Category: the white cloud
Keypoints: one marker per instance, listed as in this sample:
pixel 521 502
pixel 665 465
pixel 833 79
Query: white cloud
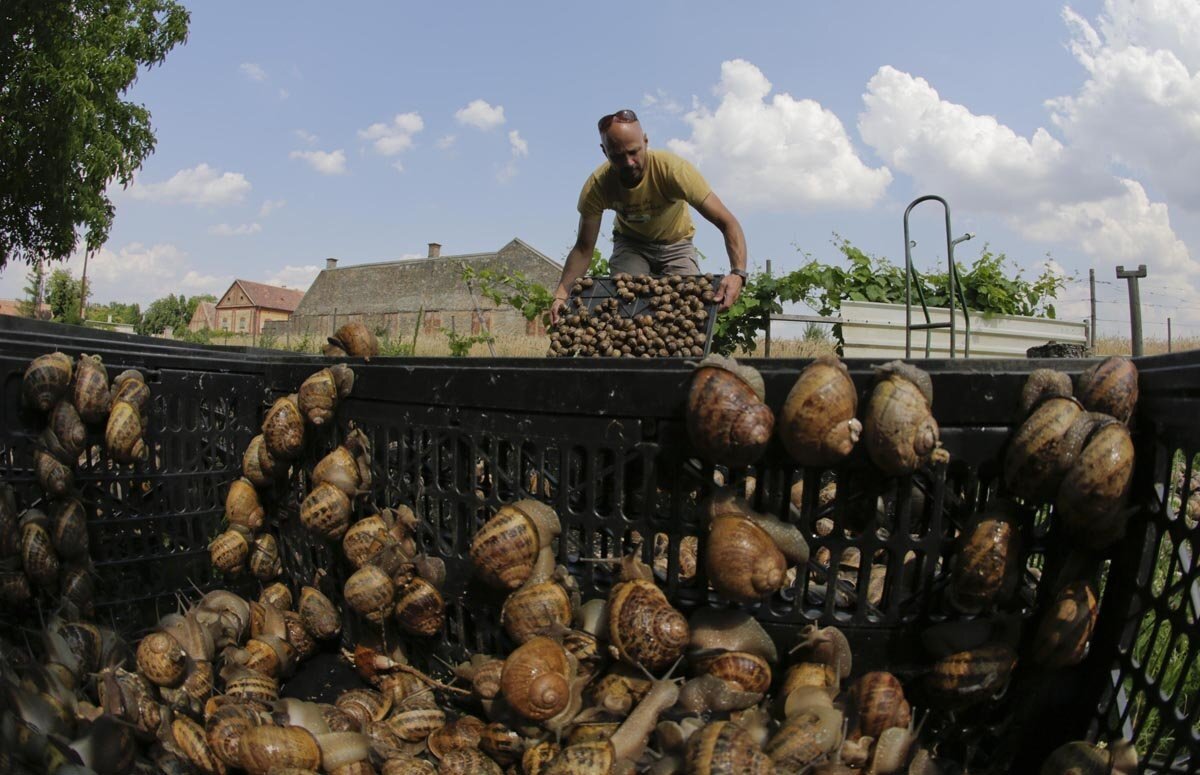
pixel 271 205
pixel 324 162
pixel 306 137
pixel 242 230
pixel 446 142
pixel 480 115
pixel 392 138
pixel 298 277
pixel 660 100
pixel 284 94
pixel 398 166
pixel 253 71
pixel 199 185
pixel 518 144
pixel 779 153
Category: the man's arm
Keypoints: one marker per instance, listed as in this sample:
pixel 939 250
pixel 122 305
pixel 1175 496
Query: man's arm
pixel 716 213
pixel 578 261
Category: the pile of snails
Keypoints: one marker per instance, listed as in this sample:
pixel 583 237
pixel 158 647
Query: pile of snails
pixel 352 340
pixel 645 317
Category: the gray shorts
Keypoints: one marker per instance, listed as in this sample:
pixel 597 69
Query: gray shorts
pixel 637 257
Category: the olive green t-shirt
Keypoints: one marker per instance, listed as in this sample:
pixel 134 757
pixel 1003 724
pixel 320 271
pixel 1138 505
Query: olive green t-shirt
pixel 656 209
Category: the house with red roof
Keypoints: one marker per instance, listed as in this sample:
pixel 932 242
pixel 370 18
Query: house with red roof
pixel 246 306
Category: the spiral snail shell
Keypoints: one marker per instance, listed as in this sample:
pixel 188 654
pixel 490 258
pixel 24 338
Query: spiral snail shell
pixel 987 565
pixel 283 429
pixel 536 681
pixel 727 420
pixel 92 398
pixel 242 506
pixel 326 511
pixel 420 608
pixel 1110 387
pixel 130 386
pixel 724 748
pixel 644 629
pixel 68 430
pixel 46 380
pixel 161 659
pixel 123 434
pixel 879 703
pixel 70 529
pixel 264 748
pixel 968 677
pixel 229 551
pixel 320 616
pixel 38 557
pixel 348 466
pixel 1041 385
pixel 1042 449
pixel 1091 498
pixel 506 548
pixel 1083 758
pixel 369 591
pixel 264 561
pixel 900 432
pixel 817 424
pixel 536 608
pixel 356 340
pixel 1066 626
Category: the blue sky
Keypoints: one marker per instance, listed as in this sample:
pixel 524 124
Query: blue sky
pixel 288 133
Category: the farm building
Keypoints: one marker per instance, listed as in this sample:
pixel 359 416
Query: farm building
pixel 392 295
pixel 247 306
pixel 205 316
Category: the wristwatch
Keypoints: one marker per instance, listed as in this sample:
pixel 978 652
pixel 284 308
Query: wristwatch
pixel 740 273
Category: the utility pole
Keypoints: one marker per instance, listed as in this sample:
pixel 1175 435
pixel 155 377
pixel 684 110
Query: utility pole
pixel 1168 335
pixel 1092 329
pixel 767 342
pixel 1135 304
pixel 83 288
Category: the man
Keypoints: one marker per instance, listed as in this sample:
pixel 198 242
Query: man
pixel 650 190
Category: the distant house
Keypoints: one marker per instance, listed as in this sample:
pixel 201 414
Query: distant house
pixel 393 295
pixel 205 316
pixel 13 307
pixel 247 305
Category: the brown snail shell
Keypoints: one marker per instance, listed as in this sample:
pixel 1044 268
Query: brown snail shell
pixel 968 677
pixel 1110 387
pixel 326 511
pixel 817 424
pixel 468 761
pixel 38 557
pixel 405 764
pixel 826 646
pixel 506 547
pixel 643 627
pixel 786 536
pixel 463 732
pixel 283 429
pixel 189 737
pixel 46 380
pixel 271 467
pixel 123 434
pixel 70 529
pixel 800 678
pixel 420 608
pixel 264 748
pixel 161 659
pixel 130 386
pixel 363 706
pixel 229 552
pixel 879 703
pixel 1041 451
pixel 1083 758
pixel 504 745
pixel 536 609
pixel 723 748
pixel 365 539
pixel 727 420
pixel 91 398
pixel 1066 626
pixel 1042 384
pixel 265 562
pixel 987 565
pixel 277 595
pixel 68 429
pixel 75 587
pixel 805 737
pixel 317 397
pixel 296 634
pixel 356 340
pixel 900 432
pixel 14 588
pixel 242 506
pixel 224 730
pixel 536 681
pixel 369 591
pixel 249 685
pixel 715 630
pixel 320 616
pixel 748 672
pixel 416 725
pixel 251 468
pixel 584 758
pixel 348 466
pixel 54 477
pixel 742 561
pixel 1091 498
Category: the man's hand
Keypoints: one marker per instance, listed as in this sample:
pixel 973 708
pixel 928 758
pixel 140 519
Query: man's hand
pixel 729 290
pixel 556 308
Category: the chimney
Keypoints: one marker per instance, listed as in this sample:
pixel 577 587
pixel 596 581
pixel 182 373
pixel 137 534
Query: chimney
pixel 331 263
pixel 435 249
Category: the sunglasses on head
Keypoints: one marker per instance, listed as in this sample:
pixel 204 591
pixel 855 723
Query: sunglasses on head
pixel 621 117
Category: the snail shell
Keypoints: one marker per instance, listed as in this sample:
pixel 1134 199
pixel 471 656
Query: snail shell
pixel 320 616
pixel 900 432
pixel 363 706
pixel 326 511
pixel 1042 450
pixel 46 380
pixel 506 547
pixel 583 759
pixel 746 672
pixel 879 702
pixel 242 506
pixel 283 429
pixel 356 340
pixel 55 478
pixel 229 551
pixel 968 677
pixel 742 561
pixel 369 591
pixel 987 566
pixel 190 739
pixel 1082 758
pixel 92 398
pixel 161 659
pixel 250 686
pixel 70 529
pixel 420 608
pixel 271 467
pixel 365 539
pixel 723 748
pixel 414 726
pixel 727 420
pixel 643 627
pixel 538 757
pixel 123 434
pixel 1042 384
pixel 463 732
pixel 589 731
pixel 348 466
pixel 14 588
pixel 296 634
pixel 817 424
pixel 468 761
pixel 1066 626
pixel 68 429
pixel 1091 498
pixel 826 646
pixel 336 719
pixel 799 682
pixel 805 737
pixel 224 730
pixel 75 586
pixel 536 609
pixel 317 397
pixel 1111 387
pixel 405 764
pixel 504 745
pixel 130 386
pixel 264 748
pixel 277 595
pixel 37 550
pixel 251 467
pixel 536 681
pixel 265 562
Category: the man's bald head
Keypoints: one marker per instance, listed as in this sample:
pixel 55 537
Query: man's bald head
pixel 624 145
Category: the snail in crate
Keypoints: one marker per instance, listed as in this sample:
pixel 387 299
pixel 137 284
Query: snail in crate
pixel 747 554
pixel 727 419
pixel 899 431
pixel 353 339
pixel 320 393
pixel 817 424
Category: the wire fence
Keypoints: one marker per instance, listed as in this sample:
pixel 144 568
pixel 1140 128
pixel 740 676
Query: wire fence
pixel 1170 316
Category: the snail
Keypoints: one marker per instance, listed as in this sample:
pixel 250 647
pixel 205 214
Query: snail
pixel 363 706
pixel 505 549
pixel 747 553
pixel 130 386
pixel 825 646
pixel 811 733
pixel 68 430
pixel 46 380
pixel 644 629
pixel 537 679
pixel 252 468
pixel 69 529
pixel 355 340
pixel 468 761
pixel 319 393
pixel 1110 387
pixel 420 608
pixel 224 729
pixel 969 677
pixel 264 561
pixel 727 419
pixel 1042 384
pixel 347 467
pixel 190 738
pixel 283 429
pixel 1043 448
pixel 242 506
pixel 1091 498
pixel 505 746
pixel 463 732
pixel 277 595
pixel 817 424
pixel 326 511
pixel 879 704
pixel 987 564
pixel 296 634
pixel 55 478
pixel 723 748
pixel 715 630
pixel 544 604
pixel 730 680
pixel 123 434
pixel 249 685
pixel 1083 758
pixel 38 557
pixel 1066 626
pixel 230 550
pixel 161 659
pixel 320 616
pixel 266 747
pixel 369 591
pixel 899 432
pixel 91 397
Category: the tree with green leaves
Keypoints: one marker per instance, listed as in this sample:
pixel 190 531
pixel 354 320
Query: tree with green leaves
pixel 62 294
pixel 119 312
pixel 165 314
pixel 66 132
pixel 514 289
pixel 33 295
